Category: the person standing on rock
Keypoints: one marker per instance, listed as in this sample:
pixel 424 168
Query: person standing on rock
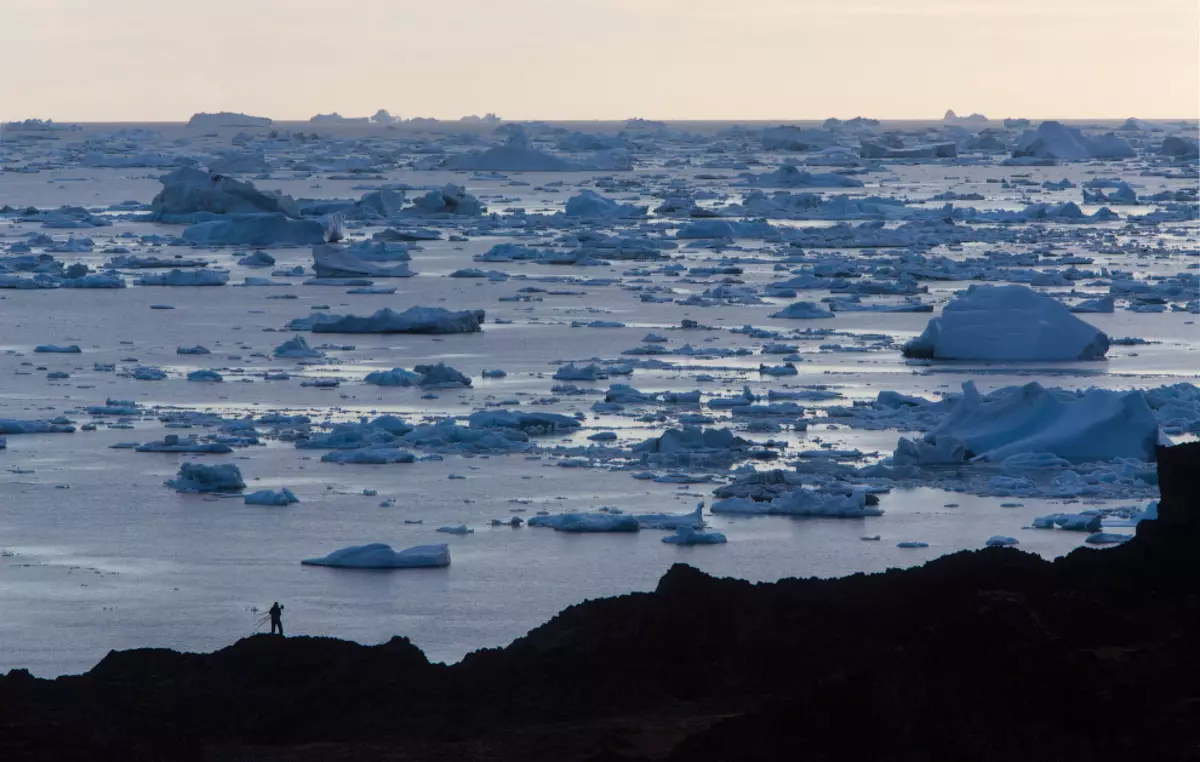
pixel 276 614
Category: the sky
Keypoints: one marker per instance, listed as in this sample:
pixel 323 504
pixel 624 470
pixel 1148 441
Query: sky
pixel 162 60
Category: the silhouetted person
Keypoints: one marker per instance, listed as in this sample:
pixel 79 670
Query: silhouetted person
pixel 276 613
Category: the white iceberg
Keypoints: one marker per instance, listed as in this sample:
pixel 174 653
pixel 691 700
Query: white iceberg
pixel 192 195
pixel 1054 140
pixel 1094 425
pixel 1008 324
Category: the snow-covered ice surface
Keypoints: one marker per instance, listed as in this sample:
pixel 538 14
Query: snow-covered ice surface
pixel 665 334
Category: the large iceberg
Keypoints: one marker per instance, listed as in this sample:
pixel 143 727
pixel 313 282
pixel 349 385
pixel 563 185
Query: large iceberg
pixel 192 195
pixel 1094 425
pixel 1008 324
pixel 1054 140
pixel 381 556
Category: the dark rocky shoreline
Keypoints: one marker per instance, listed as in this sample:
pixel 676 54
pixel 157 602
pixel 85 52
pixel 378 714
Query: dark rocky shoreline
pixel 984 655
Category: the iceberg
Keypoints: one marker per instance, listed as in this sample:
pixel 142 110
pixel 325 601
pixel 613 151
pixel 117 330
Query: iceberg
pixel 802 311
pixel 335 262
pixel 590 204
pixel 530 423
pixel 172 443
pixel 803 502
pixel 13 426
pixel 196 477
pixel 587 522
pixel 451 199
pixel 393 377
pixel 1054 140
pixel 685 535
pixel 1094 425
pixel 192 195
pixel 256 230
pixel 297 347
pixel 226 119
pixel 434 320
pixel 205 376
pixel 1008 324
pixel 370 456
pixel 519 155
pixel 872 150
pixel 676 521
pixel 271 497
pixel 185 278
pixel 381 556
pixel 791 176
pixel 95 280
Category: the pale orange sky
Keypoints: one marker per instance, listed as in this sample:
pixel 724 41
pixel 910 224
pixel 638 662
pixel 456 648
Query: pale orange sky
pixel 162 60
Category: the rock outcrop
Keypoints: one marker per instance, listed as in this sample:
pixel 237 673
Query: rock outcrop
pixel 990 655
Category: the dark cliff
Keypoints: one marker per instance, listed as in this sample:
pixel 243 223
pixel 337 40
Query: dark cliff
pixel 986 655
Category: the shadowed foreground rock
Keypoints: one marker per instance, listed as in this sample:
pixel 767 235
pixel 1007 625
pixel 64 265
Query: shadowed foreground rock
pixel 986 655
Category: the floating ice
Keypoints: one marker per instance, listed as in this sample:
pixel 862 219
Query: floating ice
pixel 1094 425
pixel 1054 140
pixel 191 195
pixel 587 522
pixel 803 502
pixel 196 477
pixel 802 311
pixel 413 320
pixel 337 262
pixel 297 347
pixel 1008 324
pixel 256 230
pixel 282 496
pixel 686 535
pixel 380 556
pixel 205 376
pixel 185 278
